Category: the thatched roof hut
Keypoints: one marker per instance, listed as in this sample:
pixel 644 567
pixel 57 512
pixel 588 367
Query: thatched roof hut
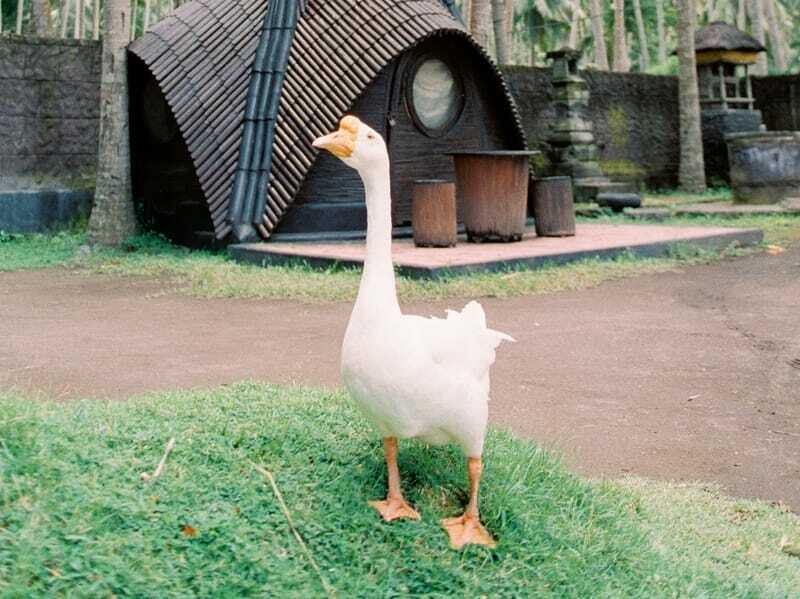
pixel 226 98
pixel 720 40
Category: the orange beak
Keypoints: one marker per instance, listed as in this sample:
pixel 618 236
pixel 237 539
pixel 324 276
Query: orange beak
pixel 340 143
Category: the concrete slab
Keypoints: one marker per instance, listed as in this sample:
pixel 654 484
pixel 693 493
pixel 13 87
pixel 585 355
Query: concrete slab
pixel 591 240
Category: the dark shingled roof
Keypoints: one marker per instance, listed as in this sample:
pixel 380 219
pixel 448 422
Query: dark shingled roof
pixel 721 36
pixel 202 56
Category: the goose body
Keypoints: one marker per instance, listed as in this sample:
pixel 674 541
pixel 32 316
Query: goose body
pixel 411 376
pixel 422 377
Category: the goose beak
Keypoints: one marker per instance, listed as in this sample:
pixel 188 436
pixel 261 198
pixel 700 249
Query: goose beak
pixel 340 143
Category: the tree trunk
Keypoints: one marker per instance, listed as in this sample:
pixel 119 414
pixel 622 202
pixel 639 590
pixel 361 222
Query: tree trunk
pixel 741 15
pixel 499 22
pixel 146 15
pixel 509 29
pixel 599 36
pixel 78 29
pixel 711 11
pixel 481 21
pixel 40 18
pixel 757 31
pixel 662 38
pixel 691 173
pixel 644 50
pixel 113 219
pixel 133 19
pixel 574 25
pixel 20 13
pixel 466 13
pixel 776 42
pixel 1 16
pixel 96 20
pixel 621 61
pixel 64 16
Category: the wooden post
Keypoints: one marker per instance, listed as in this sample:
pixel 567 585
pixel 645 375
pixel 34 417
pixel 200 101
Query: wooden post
pixel 552 207
pixel 433 213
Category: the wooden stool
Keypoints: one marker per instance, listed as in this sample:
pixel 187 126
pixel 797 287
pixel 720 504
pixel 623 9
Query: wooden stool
pixel 433 213
pixel 552 206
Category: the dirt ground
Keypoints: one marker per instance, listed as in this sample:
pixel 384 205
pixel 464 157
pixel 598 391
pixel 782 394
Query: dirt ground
pixel 682 376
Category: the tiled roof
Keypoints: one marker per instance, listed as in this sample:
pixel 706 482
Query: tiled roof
pixel 203 55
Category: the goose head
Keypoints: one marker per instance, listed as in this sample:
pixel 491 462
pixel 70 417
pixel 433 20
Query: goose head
pixel 356 144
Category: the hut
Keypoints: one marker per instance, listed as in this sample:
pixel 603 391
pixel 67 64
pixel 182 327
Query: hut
pixel 724 54
pixel 226 98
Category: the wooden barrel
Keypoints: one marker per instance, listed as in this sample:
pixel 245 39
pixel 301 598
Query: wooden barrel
pixel 552 206
pixel 433 213
pixel 493 192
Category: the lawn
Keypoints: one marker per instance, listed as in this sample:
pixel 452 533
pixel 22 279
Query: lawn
pixel 77 520
pixel 210 274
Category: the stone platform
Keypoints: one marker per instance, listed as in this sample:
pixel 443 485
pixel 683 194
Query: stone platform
pixel 591 240
pixel 718 209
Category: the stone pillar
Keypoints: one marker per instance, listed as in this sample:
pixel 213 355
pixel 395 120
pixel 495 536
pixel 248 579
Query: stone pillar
pixel 572 149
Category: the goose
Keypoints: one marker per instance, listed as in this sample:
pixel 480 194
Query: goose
pixel 413 377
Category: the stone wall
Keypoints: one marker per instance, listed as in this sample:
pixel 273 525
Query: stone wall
pixel 778 99
pixel 635 120
pixel 49 107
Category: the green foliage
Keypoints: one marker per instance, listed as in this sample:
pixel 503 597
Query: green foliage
pixel 76 520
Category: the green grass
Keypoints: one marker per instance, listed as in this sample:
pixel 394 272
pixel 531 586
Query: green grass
pixel 76 520
pixel 209 274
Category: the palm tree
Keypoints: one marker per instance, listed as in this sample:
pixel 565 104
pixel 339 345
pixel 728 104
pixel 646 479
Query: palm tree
pixel 776 41
pixel 621 61
pixel 598 36
pixel 499 22
pixel 40 18
pixel 644 51
pixel 481 21
pixel 691 175
pixel 757 31
pixel 662 38
pixel 112 219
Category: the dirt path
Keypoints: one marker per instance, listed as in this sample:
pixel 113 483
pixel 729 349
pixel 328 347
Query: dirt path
pixel 686 376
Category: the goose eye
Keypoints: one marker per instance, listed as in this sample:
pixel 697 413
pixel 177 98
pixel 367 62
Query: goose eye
pixel 370 136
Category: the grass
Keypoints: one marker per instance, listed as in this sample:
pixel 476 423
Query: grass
pixel 209 274
pixel 76 520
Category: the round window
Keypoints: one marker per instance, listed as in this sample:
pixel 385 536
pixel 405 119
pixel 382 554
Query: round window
pixel 436 97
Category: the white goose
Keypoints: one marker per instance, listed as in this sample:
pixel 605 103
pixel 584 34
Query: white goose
pixel 412 376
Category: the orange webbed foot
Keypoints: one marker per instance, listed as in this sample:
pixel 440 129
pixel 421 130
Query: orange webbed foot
pixel 467 530
pixel 395 508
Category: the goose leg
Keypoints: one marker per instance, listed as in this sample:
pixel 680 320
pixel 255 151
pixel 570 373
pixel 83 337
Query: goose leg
pixel 467 528
pixel 394 506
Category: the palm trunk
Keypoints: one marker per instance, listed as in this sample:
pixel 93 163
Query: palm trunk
pixel 644 50
pixel 691 173
pixel 662 38
pixel 146 15
pixel 466 12
pixel 599 36
pixel 481 21
pixel 711 11
pixel 113 219
pixel 499 23
pixel 133 19
pixel 20 13
pixel 757 31
pixel 1 16
pixel 776 41
pixel 78 29
pixel 64 17
pixel 574 25
pixel 40 18
pixel 621 62
pixel 509 29
pixel 741 15
pixel 96 20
